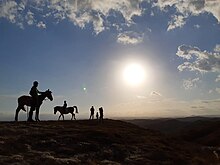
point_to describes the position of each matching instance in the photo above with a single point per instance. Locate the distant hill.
(202, 130)
(89, 142)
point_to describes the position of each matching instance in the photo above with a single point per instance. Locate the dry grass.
(89, 142)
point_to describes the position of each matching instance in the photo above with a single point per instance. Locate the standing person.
(101, 114)
(35, 100)
(92, 110)
(97, 116)
(64, 106)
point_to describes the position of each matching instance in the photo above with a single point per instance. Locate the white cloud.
(188, 8)
(177, 22)
(197, 26)
(41, 25)
(154, 93)
(9, 10)
(213, 6)
(96, 12)
(80, 12)
(217, 90)
(217, 48)
(130, 37)
(197, 60)
(141, 97)
(98, 24)
(30, 18)
(190, 83)
(217, 78)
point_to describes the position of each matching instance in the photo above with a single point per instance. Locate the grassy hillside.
(89, 142)
(201, 130)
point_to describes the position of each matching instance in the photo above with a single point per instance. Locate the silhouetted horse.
(66, 111)
(26, 100)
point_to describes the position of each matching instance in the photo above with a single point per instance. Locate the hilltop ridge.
(90, 142)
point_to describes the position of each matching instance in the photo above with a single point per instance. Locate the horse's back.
(24, 100)
(57, 107)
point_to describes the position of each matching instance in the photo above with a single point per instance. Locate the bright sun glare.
(134, 74)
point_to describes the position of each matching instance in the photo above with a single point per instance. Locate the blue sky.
(79, 50)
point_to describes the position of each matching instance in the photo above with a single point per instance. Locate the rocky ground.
(90, 142)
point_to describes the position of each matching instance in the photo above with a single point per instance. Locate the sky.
(80, 50)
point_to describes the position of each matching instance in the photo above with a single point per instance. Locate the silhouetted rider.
(35, 100)
(64, 106)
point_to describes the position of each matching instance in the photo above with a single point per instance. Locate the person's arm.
(38, 91)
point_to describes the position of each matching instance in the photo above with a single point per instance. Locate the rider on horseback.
(64, 106)
(34, 93)
(35, 100)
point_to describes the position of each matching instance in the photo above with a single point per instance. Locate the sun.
(134, 74)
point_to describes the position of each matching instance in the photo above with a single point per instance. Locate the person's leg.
(31, 113)
(37, 114)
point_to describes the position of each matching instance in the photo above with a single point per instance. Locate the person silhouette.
(34, 104)
(101, 114)
(92, 110)
(97, 115)
(64, 106)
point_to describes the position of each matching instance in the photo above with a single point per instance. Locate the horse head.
(48, 94)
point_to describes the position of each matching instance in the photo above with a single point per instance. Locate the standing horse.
(26, 100)
(66, 111)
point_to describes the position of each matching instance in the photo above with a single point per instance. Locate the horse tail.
(76, 109)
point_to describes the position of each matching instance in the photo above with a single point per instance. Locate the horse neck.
(42, 97)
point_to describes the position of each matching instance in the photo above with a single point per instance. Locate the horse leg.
(37, 114)
(16, 113)
(72, 116)
(59, 117)
(63, 116)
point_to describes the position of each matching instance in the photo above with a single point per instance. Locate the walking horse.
(66, 111)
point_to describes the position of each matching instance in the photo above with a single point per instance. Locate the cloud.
(41, 25)
(79, 12)
(154, 93)
(210, 91)
(97, 12)
(197, 26)
(197, 60)
(9, 10)
(130, 37)
(217, 48)
(154, 96)
(30, 18)
(177, 22)
(217, 79)
(189, 8)
(190, 83)
(217, 90)
(141, 97)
